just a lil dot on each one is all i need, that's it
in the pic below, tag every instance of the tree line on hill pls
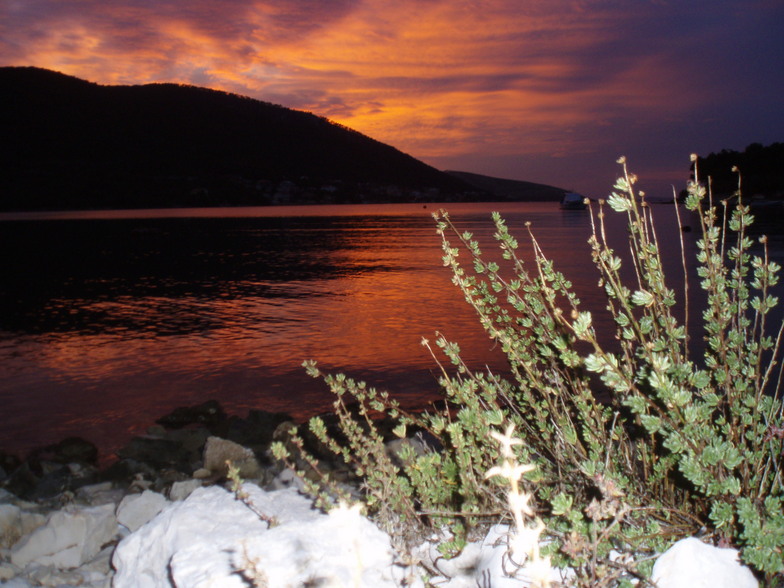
(761, 171)
(69, 143)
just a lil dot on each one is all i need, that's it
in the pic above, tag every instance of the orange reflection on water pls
(380, 288)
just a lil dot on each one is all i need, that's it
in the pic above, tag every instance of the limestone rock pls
(10, 525)
(30, 522)
(202, 474)
(210, 413)
(16, 583)
(256, 431)
(22, 481)
(51, 484)
(288, 478)
(69, 538)
(101, 564)
(209, 515)
(217, 451)
(8, 463)
(484, 563)
(101, 493)
(7, 571)
(190, 439)
(181, 490)
(159, 454)
(69, 450)
(52, 576)
(136, 510)
(211, 537)
(339, 549)
(690, 563)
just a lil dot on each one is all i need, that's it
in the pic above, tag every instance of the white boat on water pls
(573, 201)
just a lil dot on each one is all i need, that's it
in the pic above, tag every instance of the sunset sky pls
(550, 91)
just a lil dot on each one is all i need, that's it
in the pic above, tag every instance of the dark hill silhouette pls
(68, 143)
(513, 190)
(761, 168)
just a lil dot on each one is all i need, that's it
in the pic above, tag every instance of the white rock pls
(206, 539)
(15, 523)
(10, 524)
(101, 563)
(137, 509)
(7, 498)
(460, 568)
(69, 538)
(91, 489)
(7, 571)
(690, 563)
(15, 583)
(288, 478)
(102, 493)
(339, 549)
(202, 474)
(51, 576)
(31, 521)
(181, 490)
(209, 515)
(496, 563)
(484, 563)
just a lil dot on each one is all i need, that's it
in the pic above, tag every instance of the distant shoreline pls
(230, 211)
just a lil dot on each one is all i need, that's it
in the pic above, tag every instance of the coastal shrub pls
(428, 482)
(636, 443)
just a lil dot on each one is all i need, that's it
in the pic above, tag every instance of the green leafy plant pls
(635, 443)
(418, 486)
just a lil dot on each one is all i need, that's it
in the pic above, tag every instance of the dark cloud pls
(300, 17)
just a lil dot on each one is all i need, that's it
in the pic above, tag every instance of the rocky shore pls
(161, 516)
(62, 517)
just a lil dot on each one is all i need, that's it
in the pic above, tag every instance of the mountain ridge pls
(505, 189)
(75, 144)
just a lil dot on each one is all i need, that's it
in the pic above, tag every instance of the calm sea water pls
(109, 320)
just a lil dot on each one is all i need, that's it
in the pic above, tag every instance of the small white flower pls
(506, 441)
(510, 471)
(519, 502)
(525, 541)
(539, 571)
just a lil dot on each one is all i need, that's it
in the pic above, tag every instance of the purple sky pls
(550, 91)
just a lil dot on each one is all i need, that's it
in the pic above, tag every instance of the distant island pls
(72, 144)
